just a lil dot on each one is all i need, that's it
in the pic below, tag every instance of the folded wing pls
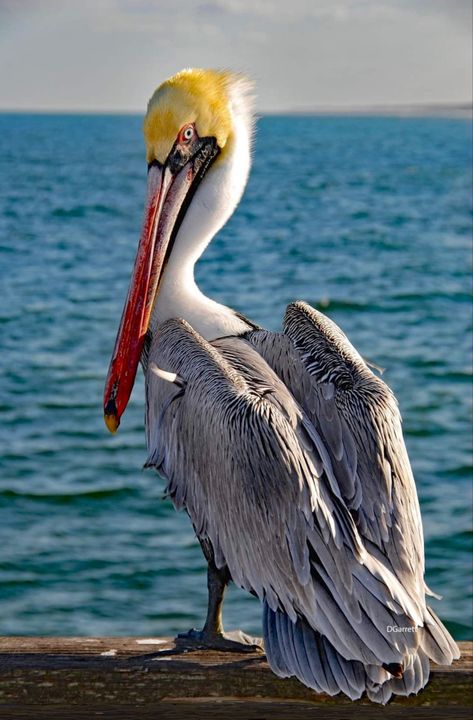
(275, 471)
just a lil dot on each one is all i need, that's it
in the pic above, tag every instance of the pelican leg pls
(213, 636)
(217, 581)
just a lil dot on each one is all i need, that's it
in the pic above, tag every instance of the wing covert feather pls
(242, 455)
(358, 419)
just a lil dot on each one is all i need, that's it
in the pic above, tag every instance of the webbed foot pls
(234, 641)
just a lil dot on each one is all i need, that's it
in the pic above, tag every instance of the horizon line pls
(459, 109)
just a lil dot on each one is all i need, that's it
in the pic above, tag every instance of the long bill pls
(169, 194)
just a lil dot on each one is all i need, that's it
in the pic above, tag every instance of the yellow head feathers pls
(195, 96)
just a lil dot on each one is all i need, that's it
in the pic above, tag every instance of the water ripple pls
(369, 220)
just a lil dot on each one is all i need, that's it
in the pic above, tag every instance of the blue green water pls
(368, 219)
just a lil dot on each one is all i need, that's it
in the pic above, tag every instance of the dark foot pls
(234, 641)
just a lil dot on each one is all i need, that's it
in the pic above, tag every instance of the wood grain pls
(152, 677)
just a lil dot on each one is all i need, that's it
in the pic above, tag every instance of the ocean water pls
(368, 219)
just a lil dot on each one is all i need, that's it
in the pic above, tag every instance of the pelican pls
(285, 450)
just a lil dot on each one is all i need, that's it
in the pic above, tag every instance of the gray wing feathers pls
(357, 418)
(297, 649)
(358, 421)
(248, 478)
(281, 491)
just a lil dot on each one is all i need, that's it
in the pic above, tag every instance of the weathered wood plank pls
(133, 677)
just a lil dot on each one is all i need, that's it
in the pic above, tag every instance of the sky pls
(109, 55)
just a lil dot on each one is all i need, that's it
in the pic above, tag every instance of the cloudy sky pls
(303, 54)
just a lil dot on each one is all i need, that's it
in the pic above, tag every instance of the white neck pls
(212, 205)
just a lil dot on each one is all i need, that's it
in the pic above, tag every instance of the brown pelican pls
(284, 448)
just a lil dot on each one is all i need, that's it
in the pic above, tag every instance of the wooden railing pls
(152, 678)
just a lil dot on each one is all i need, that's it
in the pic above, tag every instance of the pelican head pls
(197, 133)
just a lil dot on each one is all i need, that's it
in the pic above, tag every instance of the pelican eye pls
(186, 134)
